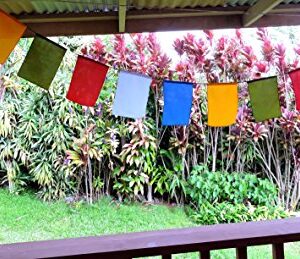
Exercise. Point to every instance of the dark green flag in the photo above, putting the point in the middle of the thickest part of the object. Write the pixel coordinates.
(42, 62)
(264, 98)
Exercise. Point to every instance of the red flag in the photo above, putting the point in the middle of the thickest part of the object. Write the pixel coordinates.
(87, 81)
(295, 77)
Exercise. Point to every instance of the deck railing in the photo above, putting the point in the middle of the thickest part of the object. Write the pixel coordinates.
(165, 243)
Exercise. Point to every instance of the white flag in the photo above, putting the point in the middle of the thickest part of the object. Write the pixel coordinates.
(132, 95)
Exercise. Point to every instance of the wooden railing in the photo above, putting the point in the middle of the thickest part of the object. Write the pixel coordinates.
(165, 242)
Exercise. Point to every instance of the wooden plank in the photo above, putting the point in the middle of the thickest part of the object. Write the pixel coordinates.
(278, 251)
(241, 252)
(155, 25)
(133, 25)
(73, 28)
(161, 242)
(258, 10)
(122, 15)
(155, 20)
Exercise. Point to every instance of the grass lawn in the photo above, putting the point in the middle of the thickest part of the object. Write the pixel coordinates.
(25, 218)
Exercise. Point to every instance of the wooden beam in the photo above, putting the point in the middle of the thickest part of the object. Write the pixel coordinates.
(154, 20)
(258, 10)
(122, 15)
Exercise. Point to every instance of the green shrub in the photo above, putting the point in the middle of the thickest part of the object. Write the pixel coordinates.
(222, 197)
(225, 212)
(234, 188)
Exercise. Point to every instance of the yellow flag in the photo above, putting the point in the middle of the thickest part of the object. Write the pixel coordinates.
(222, 104)
(11, 31)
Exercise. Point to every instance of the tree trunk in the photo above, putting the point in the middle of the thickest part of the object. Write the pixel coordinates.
(215, 149)
(90, 176)
(149, 193)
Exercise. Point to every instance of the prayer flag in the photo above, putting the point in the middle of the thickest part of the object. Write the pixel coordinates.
(87, 81)
(222, 104)
(178, 99)
(295, 77)
(132, 95)
(264, 98)
(11, 31)
(42, 62)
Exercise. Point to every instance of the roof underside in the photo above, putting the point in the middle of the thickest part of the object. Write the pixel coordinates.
(66, 6)
(78, 17)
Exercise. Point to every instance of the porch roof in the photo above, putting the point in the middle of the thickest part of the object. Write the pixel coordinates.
(83, 17)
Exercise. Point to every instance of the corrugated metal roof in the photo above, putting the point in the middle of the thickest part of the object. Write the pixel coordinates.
(149, 4)
(291, 1)
(75, 6)
(64, 6)
(59, 6)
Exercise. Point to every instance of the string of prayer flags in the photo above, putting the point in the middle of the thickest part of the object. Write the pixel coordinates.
(132, 95)
(42, 62)
(264, 98)
(222, 104)
(11, 30)
(87, 81)
(295, 77)
(45, 56)
(178, 98)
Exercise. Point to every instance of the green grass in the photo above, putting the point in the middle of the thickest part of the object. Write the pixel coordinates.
(26, 218)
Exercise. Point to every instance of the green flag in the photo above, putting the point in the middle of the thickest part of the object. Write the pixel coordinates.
(264, 98)
(42, 62)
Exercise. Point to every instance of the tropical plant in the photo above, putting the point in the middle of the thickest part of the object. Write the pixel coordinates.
(62, 149)
(235, 188)
(225, 212)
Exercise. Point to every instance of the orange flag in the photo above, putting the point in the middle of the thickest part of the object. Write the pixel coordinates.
(222, 104)
(11, 31)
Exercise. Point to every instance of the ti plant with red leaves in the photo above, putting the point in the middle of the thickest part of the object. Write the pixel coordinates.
(269, 148)
(66, 149)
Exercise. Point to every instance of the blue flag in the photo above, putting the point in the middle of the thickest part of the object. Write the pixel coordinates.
(178, 98)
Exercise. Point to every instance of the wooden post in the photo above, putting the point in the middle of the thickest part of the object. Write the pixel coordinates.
(241, 252)
(278, 251)
(166, 257)
(122, 15)
(205, 254)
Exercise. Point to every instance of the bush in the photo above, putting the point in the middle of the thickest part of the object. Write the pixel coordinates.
(234, 188)
(225, 212)
(222, 197)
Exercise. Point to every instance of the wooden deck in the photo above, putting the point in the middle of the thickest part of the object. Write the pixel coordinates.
(165, 242)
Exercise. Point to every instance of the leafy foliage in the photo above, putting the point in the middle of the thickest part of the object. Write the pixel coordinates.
(225, 212)
(221, 197)
(62, 149)
(234, 188)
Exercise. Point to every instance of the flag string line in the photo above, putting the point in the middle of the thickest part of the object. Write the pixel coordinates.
(194, 82)
(91, 72)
